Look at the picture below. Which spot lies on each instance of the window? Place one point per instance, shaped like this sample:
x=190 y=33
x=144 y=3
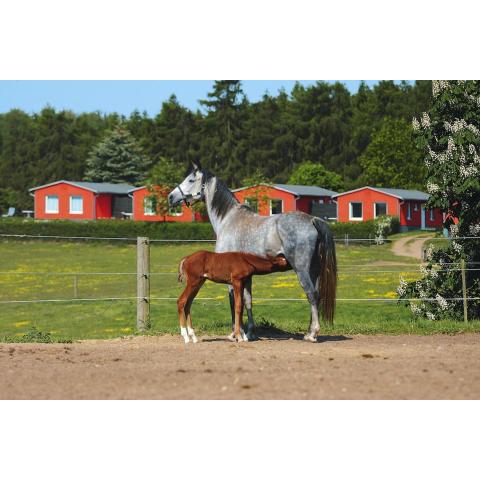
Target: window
x=175 y=211
x=148 y=206
x=252 y=203
x=380 y=209
x=356 y=211
x=276 y=206
x=432 y=215
x=76 y=204
x=415 y=207
x=51 y=204
x=409 y=211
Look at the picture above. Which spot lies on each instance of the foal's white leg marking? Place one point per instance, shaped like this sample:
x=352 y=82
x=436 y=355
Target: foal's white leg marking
x=192 y=334
x=184 y=334
x=243 y=335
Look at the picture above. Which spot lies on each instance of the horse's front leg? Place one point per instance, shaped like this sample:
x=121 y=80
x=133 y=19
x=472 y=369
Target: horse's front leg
x=239 y=334
x=247 y=297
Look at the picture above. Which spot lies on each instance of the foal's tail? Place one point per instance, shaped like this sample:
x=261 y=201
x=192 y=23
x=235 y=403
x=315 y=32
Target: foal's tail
x=181 y=273
x=328 y=270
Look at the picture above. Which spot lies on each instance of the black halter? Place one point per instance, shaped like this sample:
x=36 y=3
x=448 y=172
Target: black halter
x=187 y=198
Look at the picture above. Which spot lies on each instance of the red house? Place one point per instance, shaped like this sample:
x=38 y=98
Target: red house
x=280 y=198
x=81 y=200
x=143 y=209
x=367 y=203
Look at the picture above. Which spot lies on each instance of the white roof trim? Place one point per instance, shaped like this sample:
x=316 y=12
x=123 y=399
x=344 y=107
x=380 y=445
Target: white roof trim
x=363 y=188
x=136 y=188
x=73 y=184
x=253 y=186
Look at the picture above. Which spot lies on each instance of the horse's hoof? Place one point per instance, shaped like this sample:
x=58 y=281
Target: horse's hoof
x=310 y=338
x=194 y=339
x=251 y=336
x=186 y=339
x=232 y=338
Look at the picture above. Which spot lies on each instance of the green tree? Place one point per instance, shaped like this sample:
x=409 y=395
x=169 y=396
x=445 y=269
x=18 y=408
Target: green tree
x=226 y=109
x=449 y=135
x=310 y=173
x=117 y=159
x=392 y=158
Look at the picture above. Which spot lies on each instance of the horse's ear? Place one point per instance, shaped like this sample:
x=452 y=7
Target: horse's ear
x=196 y=165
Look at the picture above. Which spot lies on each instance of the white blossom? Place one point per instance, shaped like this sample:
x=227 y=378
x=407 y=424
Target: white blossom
x=457 y=247
x=402 y=288
x=415 y=124
x=416 y=310
x=425 y=120
x=475 y=229
x=430 y=316
x=468 y=171
x=453 y=230
x=432 y=187
x=441 y=301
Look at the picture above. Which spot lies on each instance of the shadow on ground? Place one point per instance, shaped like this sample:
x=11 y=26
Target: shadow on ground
x=275 y=333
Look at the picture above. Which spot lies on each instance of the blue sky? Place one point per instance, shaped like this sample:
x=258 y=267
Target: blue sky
x=124 y=96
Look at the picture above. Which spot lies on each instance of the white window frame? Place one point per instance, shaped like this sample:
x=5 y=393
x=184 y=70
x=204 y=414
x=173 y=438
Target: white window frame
x=148 y=211
x=350 y=211
x=47 y=198
x=171 y=213
x=70 y=205
x=409 y=211
x=380 y=203
x=415 y=207
x=247 y=201
x=276 y=200
x=432 y=215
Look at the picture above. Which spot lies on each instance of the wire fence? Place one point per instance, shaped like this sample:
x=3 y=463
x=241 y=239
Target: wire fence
x=348 y=269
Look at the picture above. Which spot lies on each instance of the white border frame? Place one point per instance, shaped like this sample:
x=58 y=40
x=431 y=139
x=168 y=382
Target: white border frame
x=145 y=213
x=354 y=219
x=70 y=205
x=46 y=204
x=276 y=200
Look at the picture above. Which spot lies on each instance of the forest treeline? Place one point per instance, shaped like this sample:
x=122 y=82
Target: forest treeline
x=362 y=137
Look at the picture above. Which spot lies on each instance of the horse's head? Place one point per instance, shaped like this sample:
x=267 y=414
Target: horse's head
x=191 y=190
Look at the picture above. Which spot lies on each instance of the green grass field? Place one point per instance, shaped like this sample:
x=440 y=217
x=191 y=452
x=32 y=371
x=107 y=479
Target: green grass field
x=40 y=270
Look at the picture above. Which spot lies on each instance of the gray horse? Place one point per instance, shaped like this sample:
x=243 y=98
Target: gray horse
x=305 y=241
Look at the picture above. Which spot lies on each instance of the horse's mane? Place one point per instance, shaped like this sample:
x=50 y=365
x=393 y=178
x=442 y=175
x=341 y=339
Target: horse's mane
x=223 y=199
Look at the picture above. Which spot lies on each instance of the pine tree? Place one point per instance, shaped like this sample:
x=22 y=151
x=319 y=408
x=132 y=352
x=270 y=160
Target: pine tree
x=117 y=159
x=450 y=136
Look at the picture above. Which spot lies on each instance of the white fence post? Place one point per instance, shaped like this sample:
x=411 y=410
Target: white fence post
x=143 y=283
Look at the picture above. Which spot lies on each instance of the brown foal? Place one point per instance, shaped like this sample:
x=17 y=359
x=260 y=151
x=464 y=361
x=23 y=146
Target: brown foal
x=233 y=268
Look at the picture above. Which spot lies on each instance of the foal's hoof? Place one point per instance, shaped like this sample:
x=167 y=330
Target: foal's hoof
x=232 y=338
x=310 y=338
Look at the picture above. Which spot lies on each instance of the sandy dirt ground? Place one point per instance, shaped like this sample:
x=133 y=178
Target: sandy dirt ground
x=409 y=246
x=353 y=367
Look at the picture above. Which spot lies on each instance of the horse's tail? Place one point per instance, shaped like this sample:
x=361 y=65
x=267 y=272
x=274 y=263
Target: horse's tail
x=328 y=270
x=181 y=273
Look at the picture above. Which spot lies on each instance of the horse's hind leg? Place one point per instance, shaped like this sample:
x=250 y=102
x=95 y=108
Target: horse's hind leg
x=313 y=297
x=247 y=297
x=188 y=306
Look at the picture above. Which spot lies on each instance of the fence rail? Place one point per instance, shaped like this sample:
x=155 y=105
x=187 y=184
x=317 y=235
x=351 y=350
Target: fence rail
x=144 y=274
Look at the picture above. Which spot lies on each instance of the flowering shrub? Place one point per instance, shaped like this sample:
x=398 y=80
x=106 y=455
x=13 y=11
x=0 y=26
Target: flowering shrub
x=385 y=225
x=450 y=136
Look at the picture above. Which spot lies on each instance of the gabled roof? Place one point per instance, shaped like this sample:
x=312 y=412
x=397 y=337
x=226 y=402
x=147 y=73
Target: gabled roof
x=394 y=192
x=299 y=190
x=114 y=188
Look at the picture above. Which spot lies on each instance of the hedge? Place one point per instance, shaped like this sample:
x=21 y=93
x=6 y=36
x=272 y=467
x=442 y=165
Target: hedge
x=108 y=229
x=154 y=230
